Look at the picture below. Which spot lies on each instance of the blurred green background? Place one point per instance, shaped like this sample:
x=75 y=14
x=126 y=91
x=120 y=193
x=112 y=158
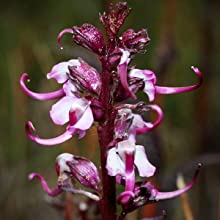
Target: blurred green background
x=183 y=33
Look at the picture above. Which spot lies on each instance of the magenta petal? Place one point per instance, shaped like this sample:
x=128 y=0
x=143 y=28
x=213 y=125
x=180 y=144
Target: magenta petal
x=50 y=192
x=149 y=126
x=175 y=90
x=123 y=72
x=48 y=142
x=145 y=168
x=170 y=195
x=125 y=197
x=40 y=96
x=66 y=30
x=129 y=170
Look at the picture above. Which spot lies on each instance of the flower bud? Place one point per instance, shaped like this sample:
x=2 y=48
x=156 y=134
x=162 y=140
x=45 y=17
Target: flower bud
x=89 y=37
x=114 y=19
x=86 y=75
x=133 y=41
x=80 y=168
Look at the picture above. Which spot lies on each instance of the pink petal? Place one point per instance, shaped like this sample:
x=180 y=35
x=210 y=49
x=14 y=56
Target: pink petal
x=123 y=72
x=145 y=168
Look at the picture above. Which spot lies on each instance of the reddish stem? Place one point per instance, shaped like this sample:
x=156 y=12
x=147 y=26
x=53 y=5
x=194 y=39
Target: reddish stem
x=105 y=133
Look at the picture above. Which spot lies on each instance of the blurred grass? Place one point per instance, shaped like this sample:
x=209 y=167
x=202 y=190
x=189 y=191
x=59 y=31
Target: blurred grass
x=191 y=124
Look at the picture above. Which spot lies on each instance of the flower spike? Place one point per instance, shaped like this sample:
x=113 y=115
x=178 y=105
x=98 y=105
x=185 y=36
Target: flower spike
x=175 y=90
x=40 y=96
x=47 y=142
x=44 y=184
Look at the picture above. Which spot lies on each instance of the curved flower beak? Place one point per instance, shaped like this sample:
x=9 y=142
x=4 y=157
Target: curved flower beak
x=60 y=35
x=150 y=126
x=175 y=90
x=44 y=184
x=47 y=142
x=87 y=36
x=40 y=96
x=157 y=196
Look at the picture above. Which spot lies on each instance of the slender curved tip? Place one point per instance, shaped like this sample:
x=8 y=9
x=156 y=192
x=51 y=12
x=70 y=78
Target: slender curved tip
x=60 y=35
x=168 y=195
x=30 y=129
x=153 y=125
x=176 y=90
x=31 y=176
x=39 y=96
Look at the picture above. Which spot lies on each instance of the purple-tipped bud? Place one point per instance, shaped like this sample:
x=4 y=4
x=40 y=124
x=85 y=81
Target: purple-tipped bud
x=115 y=18
x=68 y=166
x=87 y=36
x=135 y=42
x=87 y=76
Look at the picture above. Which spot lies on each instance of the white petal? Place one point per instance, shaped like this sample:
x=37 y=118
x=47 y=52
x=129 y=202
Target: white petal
x=69 y=88
x=59 y=112
x=145 y=168
x=114 y=164
x=86 y=120
x=149 y=89
x=125 y=147
x=60 y=70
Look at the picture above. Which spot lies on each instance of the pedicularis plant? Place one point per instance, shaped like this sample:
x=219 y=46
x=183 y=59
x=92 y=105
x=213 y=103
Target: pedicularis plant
x=89 y=98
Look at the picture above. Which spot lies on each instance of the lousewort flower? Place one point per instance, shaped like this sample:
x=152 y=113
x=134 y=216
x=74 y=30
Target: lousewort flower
x=77 y=77
x=69 y=169
x=88 y=98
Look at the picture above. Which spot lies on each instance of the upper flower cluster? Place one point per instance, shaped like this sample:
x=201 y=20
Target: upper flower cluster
x=80 y=104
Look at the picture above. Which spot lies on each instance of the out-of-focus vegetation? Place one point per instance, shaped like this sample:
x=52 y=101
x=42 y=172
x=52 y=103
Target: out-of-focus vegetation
x=183 y=33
